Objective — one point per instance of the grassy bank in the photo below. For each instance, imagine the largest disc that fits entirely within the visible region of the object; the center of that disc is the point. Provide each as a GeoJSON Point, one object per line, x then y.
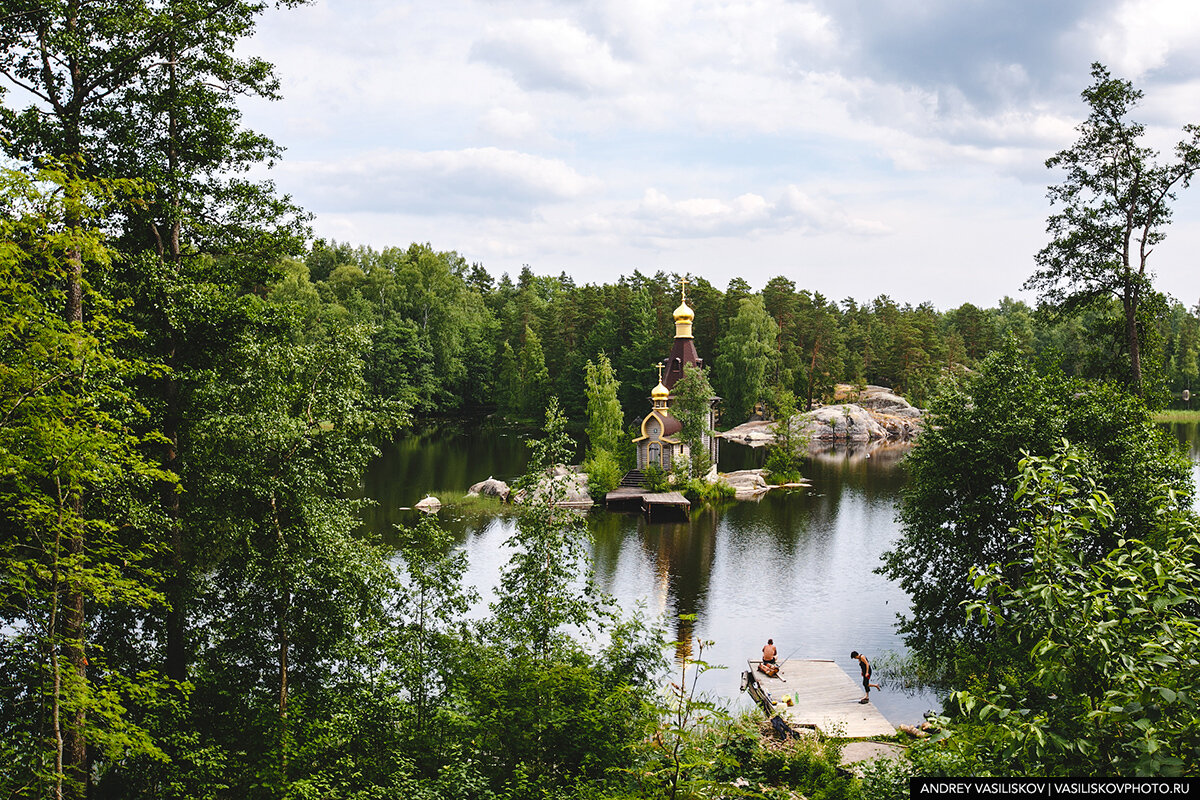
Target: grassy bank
{"type": "Point", "coordinates": [1177, 415]}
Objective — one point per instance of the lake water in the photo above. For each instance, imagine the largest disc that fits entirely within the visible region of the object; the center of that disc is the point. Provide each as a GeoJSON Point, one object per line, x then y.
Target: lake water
{"type": "Point", "coordinates": [796, 566]}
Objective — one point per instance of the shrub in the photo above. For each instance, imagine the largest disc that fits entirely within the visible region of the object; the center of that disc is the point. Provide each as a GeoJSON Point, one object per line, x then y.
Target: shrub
{"type": "Point", "coordinates": [656, 479]}
{"type": "Point", "coordinates": [700, 489]}
{"type": "Point", "coordinates": [603, 471]}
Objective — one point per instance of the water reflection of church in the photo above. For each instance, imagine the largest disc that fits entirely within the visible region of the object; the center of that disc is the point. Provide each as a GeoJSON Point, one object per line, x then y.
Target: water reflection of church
{"type": "Point", "coordinates": [660, 442]}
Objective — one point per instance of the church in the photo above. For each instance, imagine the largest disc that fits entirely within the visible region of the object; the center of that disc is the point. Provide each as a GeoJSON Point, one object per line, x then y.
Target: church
{"type": "Point", "coordinates": [660, 442]}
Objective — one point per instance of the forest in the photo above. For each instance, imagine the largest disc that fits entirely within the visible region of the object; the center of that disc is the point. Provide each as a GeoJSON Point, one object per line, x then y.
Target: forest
{"type": "Point", "coordinates": [455, 339]}
{"type": "Point", "coordinates": [191, 388]}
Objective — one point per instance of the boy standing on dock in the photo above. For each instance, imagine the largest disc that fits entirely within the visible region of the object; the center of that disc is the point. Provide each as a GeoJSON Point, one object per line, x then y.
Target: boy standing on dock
{"type": "Point", "coordinates": [865, 666]}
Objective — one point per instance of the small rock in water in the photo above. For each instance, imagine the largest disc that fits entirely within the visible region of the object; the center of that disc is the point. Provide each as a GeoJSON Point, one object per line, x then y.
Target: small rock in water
{"type": "Point", "coordinates": [429, 505]}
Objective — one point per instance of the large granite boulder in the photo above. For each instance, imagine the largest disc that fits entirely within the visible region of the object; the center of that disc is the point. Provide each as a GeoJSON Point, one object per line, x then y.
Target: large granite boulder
{"type": "Point", "coordinates": [844, 422]}
{"type": "Point", "coordinates": [756, 433]}
{"type": "Point", "coordinates": [568, 484]}
{"type": "Point", "coordinates": [881, 401]}
{"type": "Point", "coordinates": [862, 415]}
{"type": "Point", "coordinates": [489, 488]}
{"type": "Point", "coordinates": [746, 483]}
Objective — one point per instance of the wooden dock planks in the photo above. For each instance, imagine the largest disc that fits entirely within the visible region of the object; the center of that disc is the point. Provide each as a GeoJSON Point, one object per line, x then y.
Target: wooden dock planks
{"type": "Point", "coordinates": [825, 697]}
{"type": "Point", "coordinates": [651, 503]}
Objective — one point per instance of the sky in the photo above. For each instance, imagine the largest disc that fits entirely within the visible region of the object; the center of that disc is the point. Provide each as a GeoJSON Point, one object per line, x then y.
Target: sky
{"type": "Point", "coordinates": [857, 148]}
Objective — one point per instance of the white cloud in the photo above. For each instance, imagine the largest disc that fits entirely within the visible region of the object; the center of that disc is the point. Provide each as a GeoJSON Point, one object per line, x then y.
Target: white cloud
{"type": "Point", "coordinates": [1142, 35]}
{"type": "Point", "coordinates": [551, 54]}
{"type": "Point", "coordinates": [509, 125]}
{"type": "Point", "coordinates": [527, 131]}
{"type": "Point", "coordinates": [474, 181]}
{"type": "Point", "coordinates": [659, 217]}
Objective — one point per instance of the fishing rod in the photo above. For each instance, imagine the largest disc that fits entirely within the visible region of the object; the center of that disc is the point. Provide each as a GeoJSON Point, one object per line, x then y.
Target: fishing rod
{"type": "Point", "coordinates": [785, 658]}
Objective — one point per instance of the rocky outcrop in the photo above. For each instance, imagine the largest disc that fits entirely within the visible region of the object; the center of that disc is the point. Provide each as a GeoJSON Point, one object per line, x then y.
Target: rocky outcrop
{"type": "Point", "coordinates": [755, 433]}
{"type": "Point", "coordinates": [568, 487]}
{"type": "Point", "coordinates": [866, 415]}
{"type": "Point", "coordinates": [879, 400]}
{"type": "Point", "coordinates": [897, 416]}
{"type": "Point", "coordinates": [842, 423]}
{"type": "Point", "coordinates": [489, 488]}
{"type": "Point", "coordinates": [747, 483]}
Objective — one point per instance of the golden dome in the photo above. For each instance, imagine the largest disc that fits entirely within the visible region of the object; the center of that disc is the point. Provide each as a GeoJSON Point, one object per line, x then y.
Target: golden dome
{"type": "Point", "coordinates": [660, 392]}
{"type": "Point", "coordinates": [683, 313]}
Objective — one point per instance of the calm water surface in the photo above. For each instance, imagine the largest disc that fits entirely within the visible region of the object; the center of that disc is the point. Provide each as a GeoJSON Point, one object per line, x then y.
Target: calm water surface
{"type": "Point", "coordinates": [796, 566]}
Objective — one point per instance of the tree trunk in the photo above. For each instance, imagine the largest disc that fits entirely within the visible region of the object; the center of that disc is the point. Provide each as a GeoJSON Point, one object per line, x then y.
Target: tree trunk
{"type": "Point", "coordinates": [1135, 345]}
{"type": "Point", "coordinates": [74, 747]}
{"type": "Point", "coordinates": [177, 592]}
{"type": "Point", "coordinates": [812, 373]}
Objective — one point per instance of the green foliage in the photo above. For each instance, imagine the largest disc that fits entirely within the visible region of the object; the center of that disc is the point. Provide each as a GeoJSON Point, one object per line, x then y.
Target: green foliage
{"type": "Point", "coordinates": [603, 429]}
{"type": "Point", "coordinates": [1113, 206]}
{"type": "Point", "coordinates": [546, 723]}
{"type": "Point", "coordinates": [604, 473]}
{"type": "Point", "coordinates": [154, 95]}
{"type": "Point", "coordinates": [691, 404]}
{"type": "Point", "coordinates": [958, 508]}
{"type": "Point", "coordinates": [785, 454]}
{"type": "Point", "coordinates": [1100, 680]}
{"type": "Point", "coordinates": [655, 479]}
{"type": "Point", "coordinates": [603, 409]}
{"type": "Point", "coordinates": [699, 489]}
{"type": "Point", "coordinates": [747, 358]}
{"type": "Point", "coordinates": [540, 590]}
{"type": "Point", "coordinates": [677, 767]}
{"type": "Point", "coordinates": [74, 490]}
{"type": "Point", "coordinates": [886, 779]}
{"type": "Point", "coordinates": [431, 609]}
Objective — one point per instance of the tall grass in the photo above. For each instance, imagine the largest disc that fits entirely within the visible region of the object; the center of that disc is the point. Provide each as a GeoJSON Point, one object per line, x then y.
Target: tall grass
{"type": "Point", "coordinates": [1177, 415]}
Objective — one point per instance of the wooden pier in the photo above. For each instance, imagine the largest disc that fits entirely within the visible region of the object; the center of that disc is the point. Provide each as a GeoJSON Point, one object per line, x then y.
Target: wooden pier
{"type": "Point", "coordinates": [824, 697]}
{"type": "Point", "coordinates": [650, 503]}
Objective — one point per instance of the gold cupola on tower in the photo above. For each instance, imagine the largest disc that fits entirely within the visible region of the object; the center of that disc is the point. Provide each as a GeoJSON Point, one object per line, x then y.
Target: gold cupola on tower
{"type": "Point", "coordinates": [660, 394]}
{"type": "Point", "coordinates": [683, 315]}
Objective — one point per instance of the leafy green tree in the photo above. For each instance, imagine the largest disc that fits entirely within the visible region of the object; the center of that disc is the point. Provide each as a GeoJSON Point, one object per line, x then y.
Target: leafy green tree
{"type": "Point", "coordinates": [958, 510]}
{"type": "Point", "coordinates": [1101, 681]}
{"type": "Point", "coordinates": [432, 609]}
{"type": "Point", "coordinates": [782, 303]}
{"type": "Point", "coordinates": [642, 349]}
{"type": "Point", "coordinates": [150, 91]}
{"type": "Point", "coordinates": [400, 365]}
{"type": "Point", "coordinates": [685, 770]}
{"type": "Point", "coordinates": [508, 382]}
{"type": "Point", "coordinates": [745, 365]}
{"type": "Point", "coordinates": [784, 455]}
{"type": "Point", "coordinates": [293, 588]}
{"type": "Point", "coordinates": [74, 489]}
{"type": "Point", "coordinates": [604, 427]}
{"type": "Point", "coordinates": [542, 711]}
{"type": "Point", "coordinates": [539, 592]}
{"type": "Point", "coordinates": [977, 329]}
{"type": "Point", "coordinates": [692, 398]}
{"type": "Point", "coordinates": [534, 376]}
{"type": "Point", "coordinates": [819, 347]}
{"type": "Point", "coordinates": [1113, 207]}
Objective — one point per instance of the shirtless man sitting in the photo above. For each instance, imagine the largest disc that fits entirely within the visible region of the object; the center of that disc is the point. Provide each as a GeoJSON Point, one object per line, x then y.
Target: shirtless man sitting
{"type": "Point", "coordinates": [769, 652]}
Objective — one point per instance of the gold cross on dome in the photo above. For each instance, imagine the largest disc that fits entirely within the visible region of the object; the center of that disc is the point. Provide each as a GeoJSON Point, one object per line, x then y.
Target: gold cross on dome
{"type": "Point", "coordinates": [683, 288]}
{"type": "Point", "coordinates": [660, 369]}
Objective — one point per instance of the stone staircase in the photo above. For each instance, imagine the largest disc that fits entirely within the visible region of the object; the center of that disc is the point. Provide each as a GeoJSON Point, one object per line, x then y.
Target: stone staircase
{"type": "Point", "coordinates": [634, 479]}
